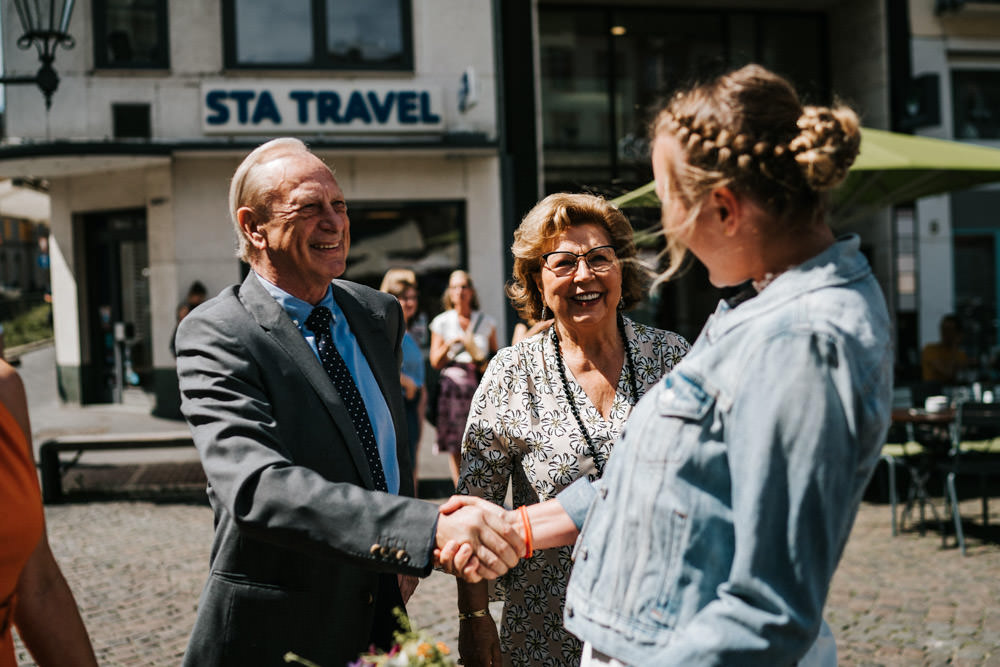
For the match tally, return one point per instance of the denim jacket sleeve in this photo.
(577, 498)
(793, 455)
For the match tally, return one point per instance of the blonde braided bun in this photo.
(826, 145)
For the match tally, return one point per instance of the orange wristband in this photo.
(528, 550)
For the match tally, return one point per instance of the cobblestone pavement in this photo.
(137, 569)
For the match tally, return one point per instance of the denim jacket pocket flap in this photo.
(684, 398)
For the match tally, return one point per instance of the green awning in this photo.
(891, 169)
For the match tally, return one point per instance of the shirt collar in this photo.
(297, 309)
(839, 264)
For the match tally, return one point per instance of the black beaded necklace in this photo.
(630, 366)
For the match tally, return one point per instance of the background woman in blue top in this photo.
(723, 512)
(402, 284)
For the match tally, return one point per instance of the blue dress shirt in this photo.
(347, 346)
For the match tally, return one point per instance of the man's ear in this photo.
(728, 208)
(251, 226)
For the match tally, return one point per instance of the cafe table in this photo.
(933, 436)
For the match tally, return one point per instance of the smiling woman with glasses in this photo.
(550, 408)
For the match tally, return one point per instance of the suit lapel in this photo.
(275, 321)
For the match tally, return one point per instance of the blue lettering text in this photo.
(302, 98)
(214, 100)
(356, 109)
(407, 106)
(266, 109)
(426, 116)
(382, 110)
(242, 98)
(328, 107)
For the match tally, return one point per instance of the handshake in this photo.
(478, 540)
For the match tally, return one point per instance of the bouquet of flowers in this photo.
(413, 648)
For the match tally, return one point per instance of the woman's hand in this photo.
(541, 325)
(410, 387)
(479, 642)
(440, 353)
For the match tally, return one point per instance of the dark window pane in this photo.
(654, 52)
(604, 70)
(975, 291)
(793, 46)
(131, 121)
(131, 33)
(318, 34)
(976, 100)
(274, 32)
(428, 237)
(576, 119)
(367, 33)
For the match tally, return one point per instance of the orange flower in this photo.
(425, 650)
(443, 648)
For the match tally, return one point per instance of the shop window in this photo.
(976, 102)
(603, 70)
(131, 34)
(318, 34)
(428, 237)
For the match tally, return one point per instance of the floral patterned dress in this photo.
(521, 431)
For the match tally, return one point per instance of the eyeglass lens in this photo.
(563, 263)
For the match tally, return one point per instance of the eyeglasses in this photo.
(565, 263)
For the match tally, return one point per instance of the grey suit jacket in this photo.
(300, 533)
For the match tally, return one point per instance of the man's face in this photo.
(304, 244)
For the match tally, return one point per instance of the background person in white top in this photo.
(462, 341)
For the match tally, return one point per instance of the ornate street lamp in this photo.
(45, 23)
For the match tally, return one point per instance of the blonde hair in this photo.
(397, 280)
(250, 189)
(446, 298)
(547, 220)
(748, 131)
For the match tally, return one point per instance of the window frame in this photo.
(320, 61)
(101, 61)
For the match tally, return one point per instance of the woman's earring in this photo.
(545, 313)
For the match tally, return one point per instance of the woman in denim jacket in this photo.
(723, 512)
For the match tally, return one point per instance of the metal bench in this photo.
(52, 468)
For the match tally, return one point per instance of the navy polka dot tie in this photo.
(319, 323)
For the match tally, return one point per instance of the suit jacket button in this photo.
(375, 549)
(371, 599)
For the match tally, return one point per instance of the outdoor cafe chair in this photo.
(975, 452)
(903, 446)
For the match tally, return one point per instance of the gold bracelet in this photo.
(479, 613)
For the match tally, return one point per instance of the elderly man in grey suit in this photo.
(290, 384)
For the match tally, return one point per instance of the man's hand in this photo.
(472, 529)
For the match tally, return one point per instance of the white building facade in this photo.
(950, 262)
(159, 101)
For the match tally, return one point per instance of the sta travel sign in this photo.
(234, 107)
